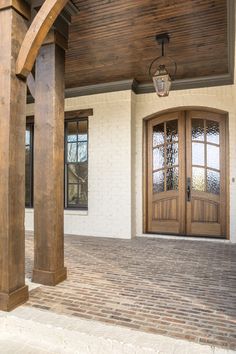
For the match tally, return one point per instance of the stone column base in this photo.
(10, 301)
(49, 278)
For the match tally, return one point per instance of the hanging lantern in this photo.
(161, 78)
(162, 81)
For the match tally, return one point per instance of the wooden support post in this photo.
(13, 291)
(49, 165)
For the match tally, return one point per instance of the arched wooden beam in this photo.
(36, 34)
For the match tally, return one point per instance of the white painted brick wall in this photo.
(116, 162)
(222, 98)
(109, 175)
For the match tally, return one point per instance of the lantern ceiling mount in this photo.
(161, 78)
(162, 39)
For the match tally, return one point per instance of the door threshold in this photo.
(186, 238)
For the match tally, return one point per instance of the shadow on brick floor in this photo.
(178, 288)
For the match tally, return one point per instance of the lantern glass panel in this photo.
(162, 84)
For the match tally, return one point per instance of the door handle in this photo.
(188, 189)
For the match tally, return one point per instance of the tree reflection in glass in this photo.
(77, 163)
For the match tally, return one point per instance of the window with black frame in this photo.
(29, 165)
(76, 164)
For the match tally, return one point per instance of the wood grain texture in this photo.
(82, 113)
(12, 168)
(19, 5)
(205, 212)
(111, 41)
(166, 210)
(36, 34)
(49, 166)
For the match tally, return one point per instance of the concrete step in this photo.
(28, 330)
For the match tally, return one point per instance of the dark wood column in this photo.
(49, 163)
(13, 291)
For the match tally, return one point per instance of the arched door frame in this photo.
(144, 162)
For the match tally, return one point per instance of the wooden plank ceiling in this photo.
(113, 40)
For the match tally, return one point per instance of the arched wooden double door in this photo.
(186, 174)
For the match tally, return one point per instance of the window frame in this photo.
(71, 118)
(30, 124)
(82, 114)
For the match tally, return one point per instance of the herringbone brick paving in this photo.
(184, 289)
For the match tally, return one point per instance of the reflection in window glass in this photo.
(213, 156)
(198, 129)
(213, 132)
(73, 173)
(76, 164)
(29, 166)
(72, 152)
(158, 135)
(72, 131)
(198, 154)
(172, 154)
(198, 179)
(83, 131)
(158, 181)
(82, 152)
(76, 181)
(172, 130)
(172, 178)
(73, 195)
(158, 158)
(213, 182)
(28, 135)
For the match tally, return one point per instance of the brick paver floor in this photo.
(178, 288)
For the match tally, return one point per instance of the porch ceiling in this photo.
(115, 40)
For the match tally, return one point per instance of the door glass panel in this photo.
(158, 134)
(159, 181)
(198, 154)
(158, 158)
(172, 154)
(172, 130)
(213, 182)
(198, 179)
(198, 129)
(185, 173)
(213, 156)
(172, 178)
(212, 132)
